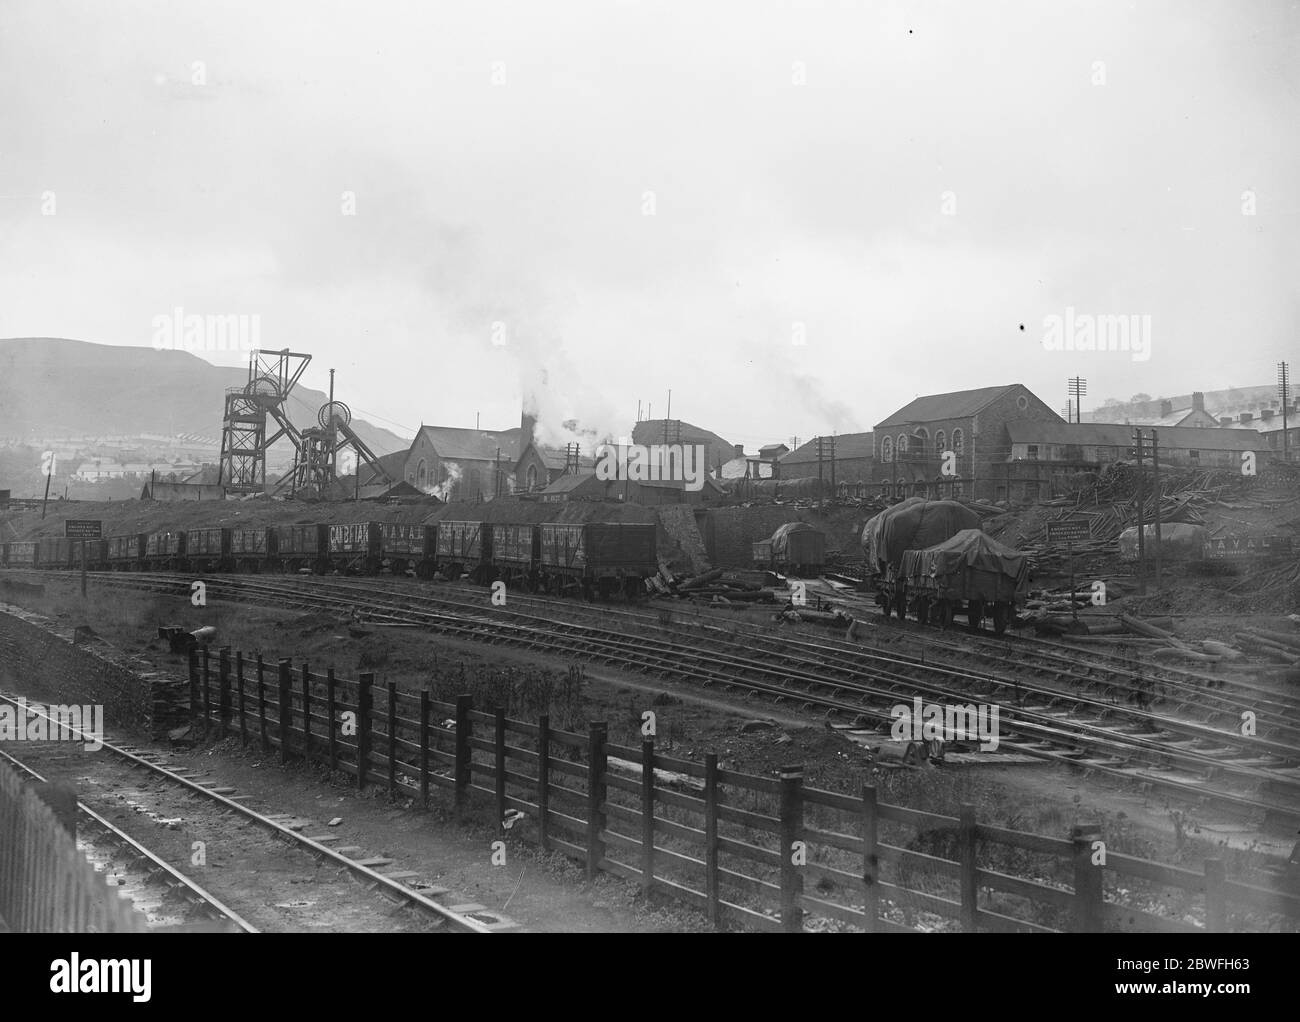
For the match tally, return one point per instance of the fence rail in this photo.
(46, 884)
(760, 852)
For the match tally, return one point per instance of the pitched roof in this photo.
(454, 443)
(394, 464)
(554, 457)
(567, 483)
(847, 445)
(957, 405)
(1116, 435)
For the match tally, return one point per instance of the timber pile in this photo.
(719, 586)
(1251, 648)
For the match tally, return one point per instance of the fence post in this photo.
(223, 688)
(261, 702)
(331, 714)
(464, 704)
(870, 860)
(1087, 880)
(791, 781)
(499, 765)
(543, 780)
(286, 680)
(596, 765)
(193, 658)
(1216, 901)
(966, 859)
(306, 712)
(647, 815)
(711, 839)
(239, 685)
(363, 726)
(424, 748)
(392, 739)
(207, 693)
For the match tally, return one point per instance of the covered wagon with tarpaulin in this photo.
(970, 573)
(912, 524)
(795, 547)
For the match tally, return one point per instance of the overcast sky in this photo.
(653, 195)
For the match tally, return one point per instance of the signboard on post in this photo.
(83, 528)
(1068, 530)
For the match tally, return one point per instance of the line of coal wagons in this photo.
(559, 557)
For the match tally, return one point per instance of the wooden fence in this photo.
(46, 884)
(765, 853)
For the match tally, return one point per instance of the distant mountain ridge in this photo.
(53, 386)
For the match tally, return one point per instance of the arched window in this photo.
(532, 477)
(900, 488)
(421, 475)
(887, 449)
(922, 437)
(957, 440)
(939, 439)
(902, 443)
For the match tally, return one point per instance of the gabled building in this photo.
(945, 445)
(539, 466)
(1044, 454)
(464, 464)
(845, 458)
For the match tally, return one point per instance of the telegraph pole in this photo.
(1077, 388)
(1283, 385)
(1141, 516)
(1155, 486)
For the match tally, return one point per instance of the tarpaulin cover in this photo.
(1178, 540)
(797, 542)
(913, 524)
(970, 548)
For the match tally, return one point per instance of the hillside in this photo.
(52, 386)
(1217, 402)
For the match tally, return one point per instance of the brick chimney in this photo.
(740, 450)
(1225, 420)
(1246, 417)
(1198, 401)
(1266, 413)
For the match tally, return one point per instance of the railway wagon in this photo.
(124, 553)
(515, 553)
(208, 549)
(298, 547)
(596, 555)
(463, 546)
(798, 548)
(164, 550)
(20, 555)
(354, 549)
(404, 547)
(57, 553)
(970, 573)
(250, 549)
(913, 524)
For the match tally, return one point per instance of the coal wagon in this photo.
(207, 550)
(515, 552)
(164, 551)
(296, 548)
(250, 549)
(125, 553)
(459, 547)
(405, 548)
(596, 556)
(20, 555)
(971, 574)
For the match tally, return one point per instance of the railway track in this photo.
(1189, 759)
(162, 793)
